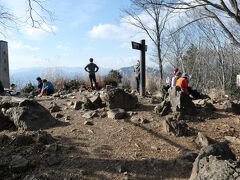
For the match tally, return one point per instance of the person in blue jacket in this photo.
(47, 88)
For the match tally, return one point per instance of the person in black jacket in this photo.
(92, 68)
(40, 84)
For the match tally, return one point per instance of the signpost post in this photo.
(143, 48)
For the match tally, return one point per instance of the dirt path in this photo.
(120, 149)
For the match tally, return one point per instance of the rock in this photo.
(53, 160)
(70, 103)
(58, 115)
(187, 159)
(181, 102)
(213, 168)
(23, 140)
(19, 163)
(203, 140)
(131, 113)
(83, 172)
(87, 104)
(102, 112)
(232, 139)
(97, 101)
(4, 140)
(121, 168)
(163, 108)
(237, 119)
(205, 104)
(5, 123)
(118, 98)
(77, 105)
(155, 148)
(213, 162)
(89, 123)
(232, 106)
(109, 87)
(54, 108)
(28, 114)
(116, 113)
(56, 94)
(90, 114)
(52, 148)
(139, 120)
(44, 138)
(177, 128)
(30, 177)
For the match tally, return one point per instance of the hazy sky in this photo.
(82, 29)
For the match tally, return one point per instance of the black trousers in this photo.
(50, 92)
(92, 78)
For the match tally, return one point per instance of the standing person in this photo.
(175, 77)
(92, 68)
(40, 84)
(182, 83)
(47, 88)
(137, 74)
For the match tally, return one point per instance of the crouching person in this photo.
(182, 84)
(47, 88)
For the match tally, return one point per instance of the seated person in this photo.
(182, 84)
(47, 88)
(40, 84)
(13, 91)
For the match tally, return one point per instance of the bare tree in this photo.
(37, 15)
(225, 12)
(154, 30)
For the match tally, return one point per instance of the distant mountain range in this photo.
(26, 75)
(129, 71)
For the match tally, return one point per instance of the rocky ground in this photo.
(83, 147)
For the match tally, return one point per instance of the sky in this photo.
(81, 29)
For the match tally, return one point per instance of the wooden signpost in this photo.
(143, 48)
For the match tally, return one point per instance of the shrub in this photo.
(74, 84)
(113, 78)
(28, 88)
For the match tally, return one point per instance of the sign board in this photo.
(238, 81)
(138, 46)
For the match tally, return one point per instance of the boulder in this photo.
(90, 114)
(77, 105)
(177, 128)
(118, 98)
(28, 114)
(19, 163)
(232, 106)
(5, 123)
(116, 113)
(87, 103)
(203, 140)
(54, 108)
(213, 168)
(4, 140)
(140, 120)
(232, 139)
(163, 108)
(180, 102)
(23, 140)
(44, 138)
(215, 161)
(97, 101)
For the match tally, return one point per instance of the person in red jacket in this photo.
(182, 83)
